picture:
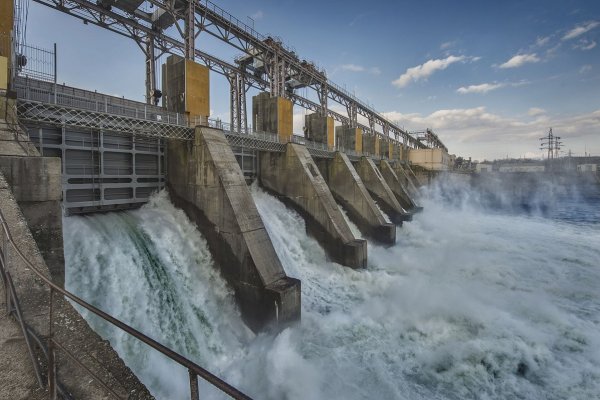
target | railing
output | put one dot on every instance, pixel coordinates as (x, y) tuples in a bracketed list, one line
[(49, 348)]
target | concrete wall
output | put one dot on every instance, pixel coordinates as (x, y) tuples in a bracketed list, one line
[(349, 190), (273, 115), (320, 128), (295, 176), (405, 178), (205, 180), (397, 187), (379, 189)]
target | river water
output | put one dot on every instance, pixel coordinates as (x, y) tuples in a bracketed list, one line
[(473, 302)]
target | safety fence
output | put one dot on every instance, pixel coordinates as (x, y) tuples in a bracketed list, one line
[(50, 347)]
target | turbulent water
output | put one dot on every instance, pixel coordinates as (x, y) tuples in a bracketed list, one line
[(471, 302)]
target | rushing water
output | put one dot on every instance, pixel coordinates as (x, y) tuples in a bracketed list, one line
[(470, 303)]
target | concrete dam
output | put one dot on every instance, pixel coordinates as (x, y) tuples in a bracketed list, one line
[(86, 174)]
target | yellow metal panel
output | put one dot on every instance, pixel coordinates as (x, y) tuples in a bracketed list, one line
[(3, 73), (6, 26), (377, 145), (390, 150), (358, 136), (330, 133), (285, 118), (197, 89)]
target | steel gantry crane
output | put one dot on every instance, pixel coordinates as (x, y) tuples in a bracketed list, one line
[(172, 26)]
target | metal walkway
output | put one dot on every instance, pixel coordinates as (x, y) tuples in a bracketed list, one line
[(113, 149)]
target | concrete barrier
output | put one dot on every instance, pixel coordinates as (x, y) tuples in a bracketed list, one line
[(397, 187), (205, 180), (378, 187), (295, 176), (347, 187)]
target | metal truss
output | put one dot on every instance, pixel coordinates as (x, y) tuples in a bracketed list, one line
[(255, 141), (282, 70), (55, 115)]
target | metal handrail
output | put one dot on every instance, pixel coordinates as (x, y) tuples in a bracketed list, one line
[(194, 369)]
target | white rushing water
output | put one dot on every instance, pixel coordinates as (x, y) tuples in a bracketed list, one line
[(468, 304)]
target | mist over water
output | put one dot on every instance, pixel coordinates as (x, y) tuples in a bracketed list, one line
[(474, 301)]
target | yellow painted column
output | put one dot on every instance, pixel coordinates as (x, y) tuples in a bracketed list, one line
[(330, 133), (285, 119), (6, 27), (377, 144), (197, 90), (358, 144)]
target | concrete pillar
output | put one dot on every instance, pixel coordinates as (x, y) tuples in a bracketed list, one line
[(273, 115), (348, 138), (398, 188), (6, 27), (295, 176), (319, 128), (405, 178), (186, 89), (205, 180), (349, 190), (377, 186), (371, 145)]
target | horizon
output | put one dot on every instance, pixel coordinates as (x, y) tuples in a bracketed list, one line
[(488, 79)]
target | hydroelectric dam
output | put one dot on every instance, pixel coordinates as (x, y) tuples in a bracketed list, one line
[(150, 250)]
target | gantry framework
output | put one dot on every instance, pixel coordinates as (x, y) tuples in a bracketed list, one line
[(172, 26)]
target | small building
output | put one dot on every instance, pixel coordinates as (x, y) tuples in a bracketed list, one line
[(587, 168), (431, 159), (522, 168), (483, 167)]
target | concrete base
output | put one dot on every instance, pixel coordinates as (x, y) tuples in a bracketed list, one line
[(205, 180), (349, 190), (397, 187), (378, 187), (295, 176)]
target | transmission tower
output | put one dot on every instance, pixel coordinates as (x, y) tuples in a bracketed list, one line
[(551, 144)]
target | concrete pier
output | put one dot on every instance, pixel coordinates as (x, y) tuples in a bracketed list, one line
[(405, 179), (371, 145), (319, 128), (349, 138), (397, 187), (349, 190), (378, 187), (295, 176), (206, 181), (273, 115)]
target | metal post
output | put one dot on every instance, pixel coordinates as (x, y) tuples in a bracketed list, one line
[(55, 74), (190, 35), (150, 70), (51, 358), (194, 391)]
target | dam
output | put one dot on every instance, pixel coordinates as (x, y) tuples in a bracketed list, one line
[(151, 250)]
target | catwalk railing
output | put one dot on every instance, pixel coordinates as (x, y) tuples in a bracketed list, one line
[(50, 345)]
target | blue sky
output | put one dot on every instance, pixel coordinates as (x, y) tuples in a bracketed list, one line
[(489, 77)]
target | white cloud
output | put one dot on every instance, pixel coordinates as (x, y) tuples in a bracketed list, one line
[(374, 71), (482, 88), (257, 15), (580, 30), (425, 70), (520, 59), (478, 132), (585, 69), (535, 111), (585, 45), (447, 45), (542, 41)]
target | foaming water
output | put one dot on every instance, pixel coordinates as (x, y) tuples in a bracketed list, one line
[(469, 303)]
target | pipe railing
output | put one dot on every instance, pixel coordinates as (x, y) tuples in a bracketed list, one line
[(194, 370)]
